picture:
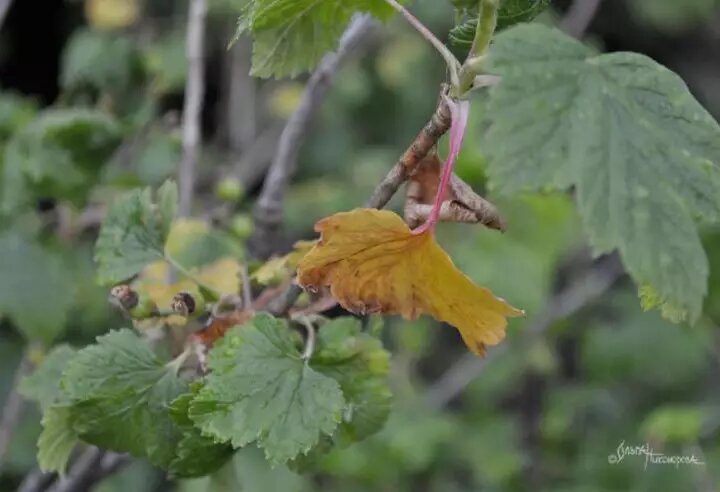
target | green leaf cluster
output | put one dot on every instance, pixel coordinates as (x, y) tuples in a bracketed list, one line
[(58, 155), (641, 153), (118, 394), (261, 389)]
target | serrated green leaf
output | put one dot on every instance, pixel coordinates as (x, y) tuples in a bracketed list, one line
[(43, 385), (195, 455), (36, 290), (511, 12), (360, 364), (120, 393), (133, 234), (291, 36), (56, 440), (260, 389), (641, 152)]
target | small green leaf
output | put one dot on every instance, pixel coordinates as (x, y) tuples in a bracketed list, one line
[(640, 151), (43, 385), (291, 36), (134, 233), (120, 393), (260, 389), (56, 440), (195, 455), (360, 364), (36, 291)]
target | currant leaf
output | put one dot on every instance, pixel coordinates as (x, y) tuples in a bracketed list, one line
[(625, 132), (260, 389)]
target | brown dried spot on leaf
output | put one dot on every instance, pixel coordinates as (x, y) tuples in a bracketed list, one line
[(372, 262)]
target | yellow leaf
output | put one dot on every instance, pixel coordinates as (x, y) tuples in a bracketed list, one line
[(278, 270), (111, 14), (374, 263), (221, 275)]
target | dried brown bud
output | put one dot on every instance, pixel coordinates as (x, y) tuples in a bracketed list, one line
[(125, 296), (183, 303)]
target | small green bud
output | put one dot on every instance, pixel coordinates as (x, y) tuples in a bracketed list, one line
[(242, 226), (229, 190)]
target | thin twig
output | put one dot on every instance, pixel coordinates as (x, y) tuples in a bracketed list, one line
[(579, 16), (4, 9), (246, 288), (12, 411), (310, 340), (428, 137), (36, 481), (90, 468), (194, 94), (452, 62), (566, 303), (269, 208)]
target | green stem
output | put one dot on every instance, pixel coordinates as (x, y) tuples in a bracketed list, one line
[(486, 24), (452, 62), (187, 273), (175, 364)]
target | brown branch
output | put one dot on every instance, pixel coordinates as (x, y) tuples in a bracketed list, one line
[(194, 94), (91, 467), (268, 212), (12, 411), (569, 301), (428, 137)]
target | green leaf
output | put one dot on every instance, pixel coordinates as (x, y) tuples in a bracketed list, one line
[(511, 12), (58, 155), (134, 233), (120, 393), (291, 36), (640, 151), (195, 455), (36, 291), (56, 440), (43, 385), (260, 389), (360, 364), (99, 61)]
